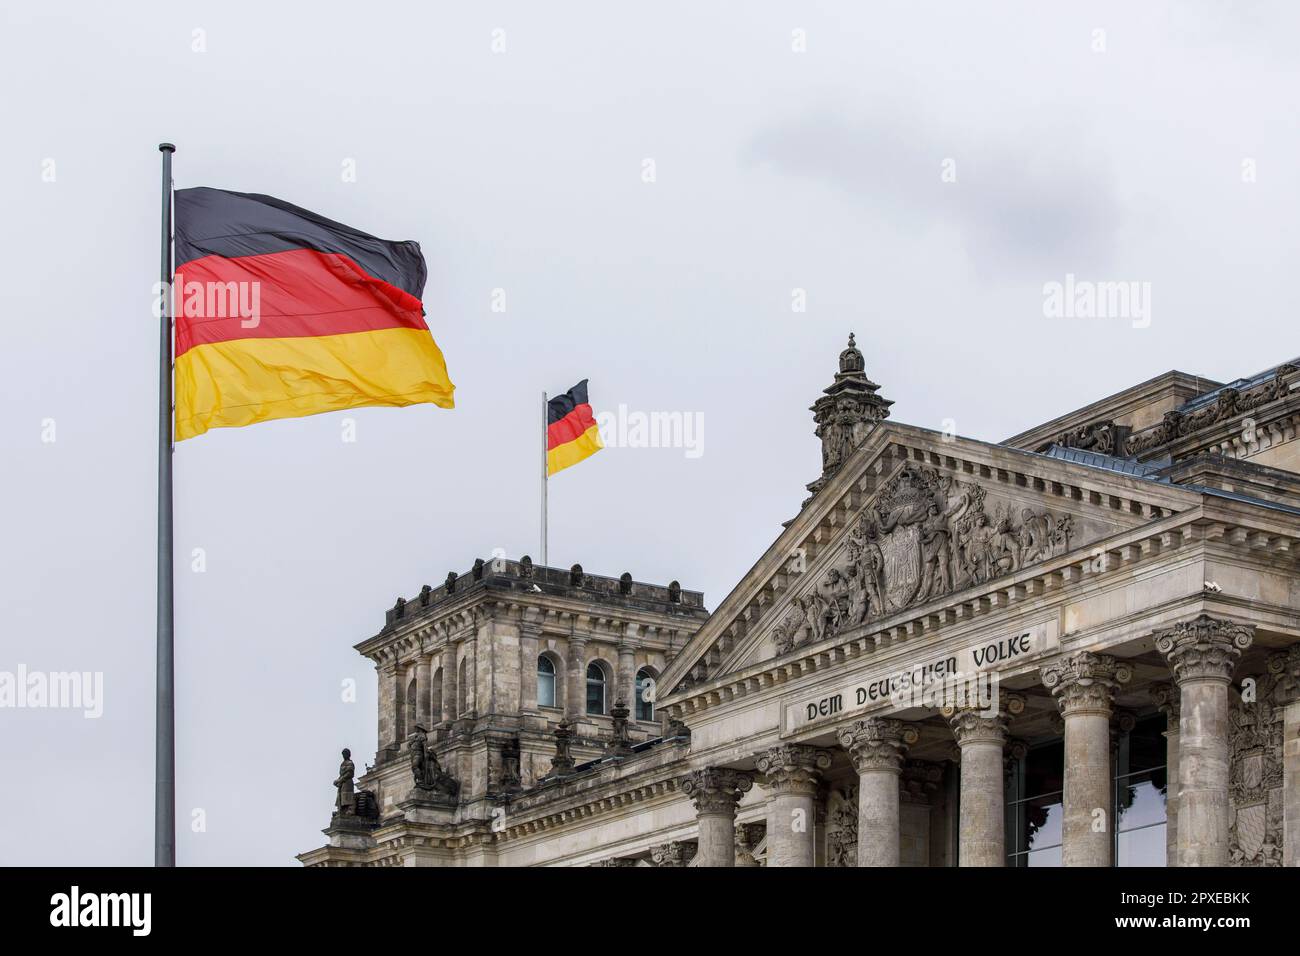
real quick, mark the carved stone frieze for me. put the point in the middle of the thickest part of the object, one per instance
(1100, 437)
(1085, 682)
(1204, 649)
(926, 535)
(1229, 403)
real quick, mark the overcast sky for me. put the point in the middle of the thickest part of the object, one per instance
(1161, 150)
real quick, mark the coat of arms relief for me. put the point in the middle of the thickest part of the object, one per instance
(1255, 774)
(927, 534)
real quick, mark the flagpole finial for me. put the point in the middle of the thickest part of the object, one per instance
(166, 148)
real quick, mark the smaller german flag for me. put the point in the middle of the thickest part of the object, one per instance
(571, 432)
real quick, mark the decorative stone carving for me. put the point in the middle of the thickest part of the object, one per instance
(427, 773)
(793, 767)
(620, 744)
(974, 726)
(344, 784)
(625, 583)
(616, 861)
(1099, 437)
(1085, 682)
(921, 780)
(846, 412)
(1255, 776)
(1204, 649)
(926, 535)
(510, 778)
(575, 576)
(674, 592)
(716, 789)
(672, 854)
(748, 837)
(1229, 403)
(1167, 700)
(842, 826)
(562, 762)
(877, 743)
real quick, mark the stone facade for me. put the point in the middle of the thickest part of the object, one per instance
(1080, 646)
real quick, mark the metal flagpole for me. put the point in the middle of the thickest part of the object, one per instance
(545, 476)
(164, 805)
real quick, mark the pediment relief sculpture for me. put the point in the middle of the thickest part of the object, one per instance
(927, 534)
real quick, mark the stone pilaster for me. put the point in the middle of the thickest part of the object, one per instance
(792, 773)
(876, 745)
(715, 791)
(982, 823)
(390, 700)
(1287, 666)
(449, 683)
(422, 693)
(1084, 686)
(530, 635)
(748, 837)
(1202, 655)
(626, 676)
(575, 692)
(1166, 697)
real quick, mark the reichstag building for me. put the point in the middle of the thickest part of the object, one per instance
(1076, 647)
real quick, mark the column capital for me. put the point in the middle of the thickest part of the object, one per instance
(1168, 701)
(877, 743)
(972, 725)
(1084, 682)
(716, 789)
(1285, 666)
(792, 768)
(921, 780)
(672, 854)
(1206, 649)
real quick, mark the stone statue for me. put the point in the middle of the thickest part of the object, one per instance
(426, 771)
(345, 803)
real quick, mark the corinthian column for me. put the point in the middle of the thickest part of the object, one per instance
(1203, 654)
(876, 746)
(715, 791)
(792, 772)
(982, 826)
(1084, 687)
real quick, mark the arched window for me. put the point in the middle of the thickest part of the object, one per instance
(645, 694)
(595, 688)
(435, 712)
(545, 682)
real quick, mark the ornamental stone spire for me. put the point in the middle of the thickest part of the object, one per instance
(846, 412)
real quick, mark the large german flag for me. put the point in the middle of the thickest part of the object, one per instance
(282, 313)
(571, 432)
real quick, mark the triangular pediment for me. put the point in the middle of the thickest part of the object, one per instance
(914, 519)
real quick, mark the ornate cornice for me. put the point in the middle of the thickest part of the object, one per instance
(1085, 683)
(1206, 649)
(974, 726)
(877, 743)
(792, 768)
(716, 789)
